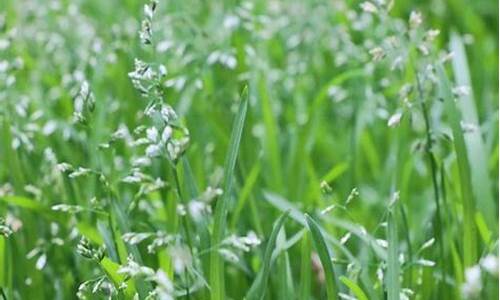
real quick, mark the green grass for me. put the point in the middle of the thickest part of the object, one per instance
(248, 149)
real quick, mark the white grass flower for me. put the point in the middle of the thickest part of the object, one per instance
(67, 208)
(468, 127)
(431, 34)
(368, 7)
(79, 172)
(231, 22)
(394, 198)
(382, 243)
(152, 134)
(251, 239)
(197, 209)
(352, 195)
(41, 262)
(461, 90)
(325, 187)
(490, 264)
(181, 258)
(473, 283)
(377, 54)
(153, 150)
(166, 134)
(425, 263)
(415, 19)
(345, 238)
(428, 244)
(164, 46)
(328, 209)
(394, 119)
(446, 57)
(423, 49)
(228, 255)
(135, 238)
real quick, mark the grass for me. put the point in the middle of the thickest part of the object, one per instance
(259, 149)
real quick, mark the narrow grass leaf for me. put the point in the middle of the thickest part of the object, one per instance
(216, 264)
(392, 279)
(324, 255)
(354, 287)
(469, 240)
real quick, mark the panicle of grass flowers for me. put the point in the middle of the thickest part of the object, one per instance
(352, 195)
(164, 288)
(84, 103)
(100, 285)
(67, 208)
(232, 246)
(86, 249)
(5, 229)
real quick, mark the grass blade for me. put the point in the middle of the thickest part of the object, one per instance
(393, 267)
(305, 268)
(354, 287)
(481, 183)
(469, 240)
(258, 288)
(324, 255)
(216, 264)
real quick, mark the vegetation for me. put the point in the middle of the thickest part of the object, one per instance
(188, 149)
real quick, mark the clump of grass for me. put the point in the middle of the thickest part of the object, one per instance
(158, 151)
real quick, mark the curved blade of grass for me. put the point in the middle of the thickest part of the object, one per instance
(258, 288)
(324, 256)
(392, 279)
(354, 287)
(469, 240)
(216, 264)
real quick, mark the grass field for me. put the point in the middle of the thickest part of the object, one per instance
(190, 149)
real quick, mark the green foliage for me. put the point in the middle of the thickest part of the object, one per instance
(154, 149)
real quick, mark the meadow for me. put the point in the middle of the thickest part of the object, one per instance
(189, 149)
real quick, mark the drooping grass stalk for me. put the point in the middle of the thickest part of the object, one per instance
(216, 280)
(438, 226)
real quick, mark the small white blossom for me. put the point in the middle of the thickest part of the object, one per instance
(166, 134)
(153, 150)
(473, 284)
(415, 19)
(490, 264)
(152, 134)
(425, 263)
(382, 243)
(377, 53)
(394, 120)
(461, 90)
(368, 7)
